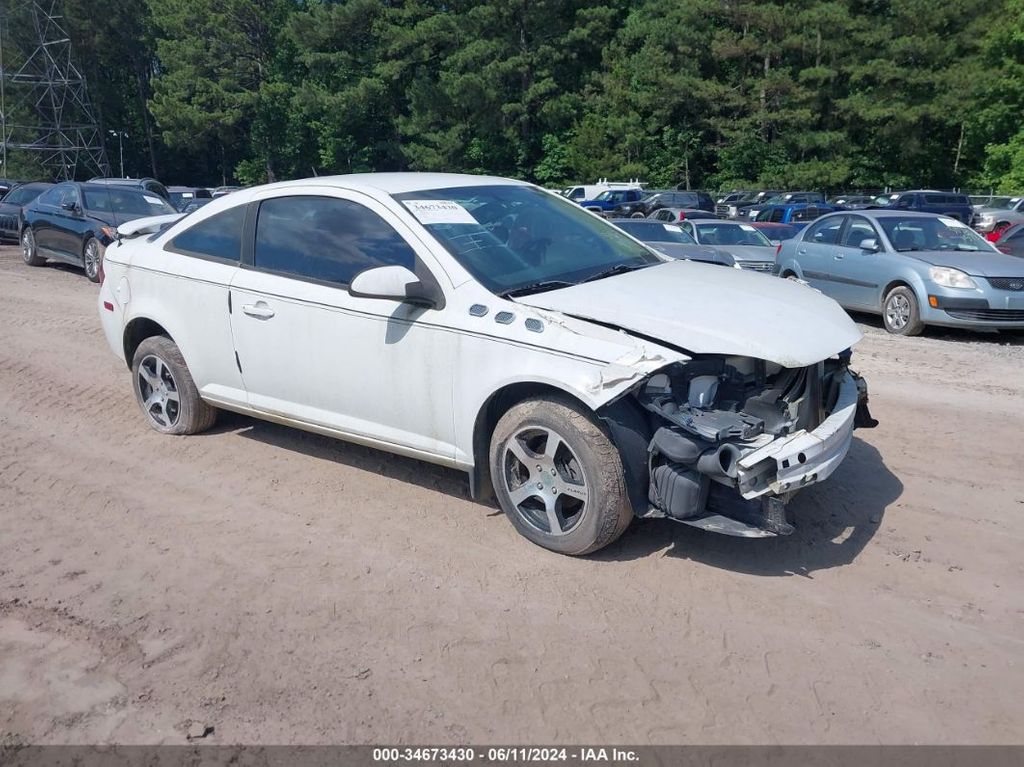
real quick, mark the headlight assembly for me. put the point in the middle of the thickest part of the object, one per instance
(950, 278)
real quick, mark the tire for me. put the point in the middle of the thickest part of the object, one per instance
(901, 314)
(29, 254)
(176, 408)
(531, 486)
(92, 258)
(637, 215)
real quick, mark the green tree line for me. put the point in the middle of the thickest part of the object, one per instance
(823, 94)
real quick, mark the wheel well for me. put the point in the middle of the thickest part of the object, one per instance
(896, 284)
(490, 413)
(788, 273)
(139, 330)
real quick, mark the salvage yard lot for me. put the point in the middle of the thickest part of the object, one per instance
(280, 587)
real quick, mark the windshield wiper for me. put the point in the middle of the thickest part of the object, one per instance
(617, 269)
(535, 287)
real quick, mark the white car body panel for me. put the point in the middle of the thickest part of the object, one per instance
(765, 317)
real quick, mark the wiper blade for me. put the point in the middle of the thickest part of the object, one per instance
(617, 269)
(535, 287)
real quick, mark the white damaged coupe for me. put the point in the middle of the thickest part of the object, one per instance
(489, 325)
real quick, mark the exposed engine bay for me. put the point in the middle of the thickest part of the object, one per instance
(732, 438)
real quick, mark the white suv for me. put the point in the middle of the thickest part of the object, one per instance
(489, 325)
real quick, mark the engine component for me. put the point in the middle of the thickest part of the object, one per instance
(703, 390)
(678, 491)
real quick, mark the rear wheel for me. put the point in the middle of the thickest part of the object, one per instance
(29, 254)
(558, 477)
(92, 256)
(900, 312)
(165, 390)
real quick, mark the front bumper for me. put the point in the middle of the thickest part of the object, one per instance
(985, 308)
(807, 457)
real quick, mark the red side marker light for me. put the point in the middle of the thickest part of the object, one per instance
(108, 306)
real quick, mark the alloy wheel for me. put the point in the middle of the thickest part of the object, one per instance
(897, 312)
(28, 245)
(545, 480)
(159, 391)
(91, 260)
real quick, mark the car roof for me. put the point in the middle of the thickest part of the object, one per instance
(97, 187)
(396, 183)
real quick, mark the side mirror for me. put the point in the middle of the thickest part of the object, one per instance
(396, 283)
(69, 206)
(870, 245)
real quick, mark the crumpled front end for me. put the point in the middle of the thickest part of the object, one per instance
(731, 439)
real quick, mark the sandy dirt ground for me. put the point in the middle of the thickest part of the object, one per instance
(262, 585)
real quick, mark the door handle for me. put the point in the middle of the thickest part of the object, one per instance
(838, 256)
(801, 252)
(259, 310)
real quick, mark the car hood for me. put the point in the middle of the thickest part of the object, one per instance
(706, 309)
(685, 250)
(750, 252)
(978, 263)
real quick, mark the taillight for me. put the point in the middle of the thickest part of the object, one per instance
(778, 249)
(682, 216)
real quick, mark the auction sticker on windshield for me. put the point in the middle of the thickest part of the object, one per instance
(152, 200)
(672, 228)
(439, 212)
(954, 223)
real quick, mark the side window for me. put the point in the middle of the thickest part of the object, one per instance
(51, 197)
(824, 232)
(687, 227)
(68, 195)
(325, 239)
(776, 215)
(665, 215)
(219, 236)
(1018, 235)
(858, 231)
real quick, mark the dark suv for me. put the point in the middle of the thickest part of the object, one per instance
(950, 204)
(666, 199)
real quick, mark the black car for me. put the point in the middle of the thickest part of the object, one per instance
(75, 222)
(738, 207)
(13, 205)
(952, 204)
(146, 184)
(6, 185)
(181, 196)
(665, 199)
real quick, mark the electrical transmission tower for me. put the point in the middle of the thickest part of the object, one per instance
(44, 103)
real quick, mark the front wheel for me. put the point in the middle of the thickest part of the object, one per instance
(900, 312)
(558, 477)
(29, 253)
(92, 257)
(165, 390)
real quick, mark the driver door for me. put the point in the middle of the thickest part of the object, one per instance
(376, 370)
(814, 252)
(855, 270)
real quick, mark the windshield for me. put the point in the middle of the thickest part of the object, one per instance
(510, 237)
(731, 234)
(23, 195)
(927, 233)
(128, 202)
(1004, 203)
(655, 231)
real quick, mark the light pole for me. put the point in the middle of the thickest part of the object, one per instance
(121, 136)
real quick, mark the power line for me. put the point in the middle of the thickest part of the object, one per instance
(65, 135)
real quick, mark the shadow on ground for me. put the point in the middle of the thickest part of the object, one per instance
(834, 521)
(961, 335)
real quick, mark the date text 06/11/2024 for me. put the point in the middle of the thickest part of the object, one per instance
(503, 754)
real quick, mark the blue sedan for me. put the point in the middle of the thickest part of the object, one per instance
(915, 269)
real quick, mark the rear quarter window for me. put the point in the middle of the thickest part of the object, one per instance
(219, 236)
